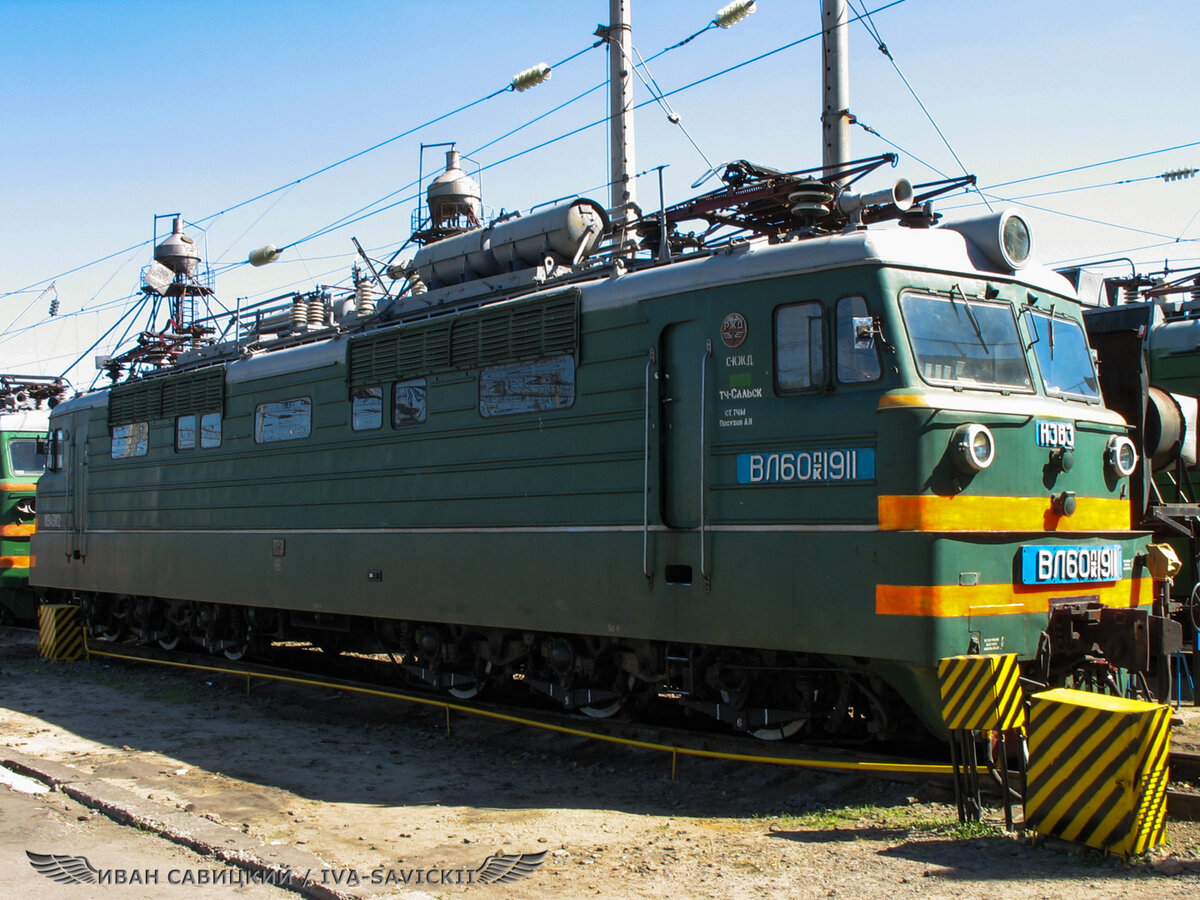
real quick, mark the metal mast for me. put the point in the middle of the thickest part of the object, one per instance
(835, 115)
(620, 90)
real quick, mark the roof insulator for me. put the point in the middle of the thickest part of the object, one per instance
(531, 77)
(734, 12)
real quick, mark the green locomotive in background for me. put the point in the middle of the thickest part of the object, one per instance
(773, 480)
(24, 419)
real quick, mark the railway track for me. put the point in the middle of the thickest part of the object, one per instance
(354, 673)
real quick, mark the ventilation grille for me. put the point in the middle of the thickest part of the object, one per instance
(166, 398)
(544, 327)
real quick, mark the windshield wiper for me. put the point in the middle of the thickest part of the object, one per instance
(971, 316)
(1051, 332)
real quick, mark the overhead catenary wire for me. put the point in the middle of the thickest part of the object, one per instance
(865, 18)
(365, 212)
(441, 118)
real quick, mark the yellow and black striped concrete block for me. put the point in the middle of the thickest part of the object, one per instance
(1098, 770)
(981, 693)
(60, 633)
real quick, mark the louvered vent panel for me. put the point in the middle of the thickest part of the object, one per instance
(424, 350)
(167, 397)
(134, 403)
(464, 343)
(197, 392)
(522, 331)
(373, 359)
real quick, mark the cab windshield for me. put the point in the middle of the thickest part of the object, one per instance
(966, 343)
(1062, 356)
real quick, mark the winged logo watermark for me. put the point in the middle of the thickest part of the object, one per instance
(504, 869)
(64, 869)
(500, 868)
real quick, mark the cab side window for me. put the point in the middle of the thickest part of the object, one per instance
(799, 347)
(857, 353)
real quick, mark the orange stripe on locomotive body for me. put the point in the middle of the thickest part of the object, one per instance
(973, 512)
(14, 562)
(14, 486)
(18, 531)
(952, 600)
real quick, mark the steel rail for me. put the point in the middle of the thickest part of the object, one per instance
(883, 766)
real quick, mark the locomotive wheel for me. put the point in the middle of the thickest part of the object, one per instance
(109, 631)
(171, 641)
(472, 689)
(114, 624)
(237, 634)
(779, 732)
(604, 712)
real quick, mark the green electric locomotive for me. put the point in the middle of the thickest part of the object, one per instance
(24, 419)
(772, 479)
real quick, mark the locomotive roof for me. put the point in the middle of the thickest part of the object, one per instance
(36, 420)
(934, 249)
(939, 250)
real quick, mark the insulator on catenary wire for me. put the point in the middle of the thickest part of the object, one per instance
(531, 77)
(734, 12)
(264, 255)
(1178, 174)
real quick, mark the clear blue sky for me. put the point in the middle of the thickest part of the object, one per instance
(111, 113)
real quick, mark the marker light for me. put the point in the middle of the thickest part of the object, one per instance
(972, 447)
(1121, 455)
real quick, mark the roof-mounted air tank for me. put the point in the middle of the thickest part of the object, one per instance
(454, 197)
(178, 252)
(562, 234)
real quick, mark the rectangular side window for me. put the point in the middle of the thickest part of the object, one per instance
(283, 420)
(210, 430)
(408, 402)
(538, 386)
(185, 433)
(799, 347)
(366, 408)
(25, 456)
(130, 440)
(857, 354)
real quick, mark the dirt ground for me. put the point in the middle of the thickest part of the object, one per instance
(376, 786)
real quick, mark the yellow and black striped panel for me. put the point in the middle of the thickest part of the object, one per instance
(1097, 769)
(981, 693)
(60, 634)
(1150, 825)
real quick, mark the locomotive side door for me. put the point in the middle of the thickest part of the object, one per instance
(76, 460)
(681, 409)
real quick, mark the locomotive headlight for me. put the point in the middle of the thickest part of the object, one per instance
(1121, 455)
(972, 447)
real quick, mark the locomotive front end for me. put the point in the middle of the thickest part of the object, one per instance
(1007, 494)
